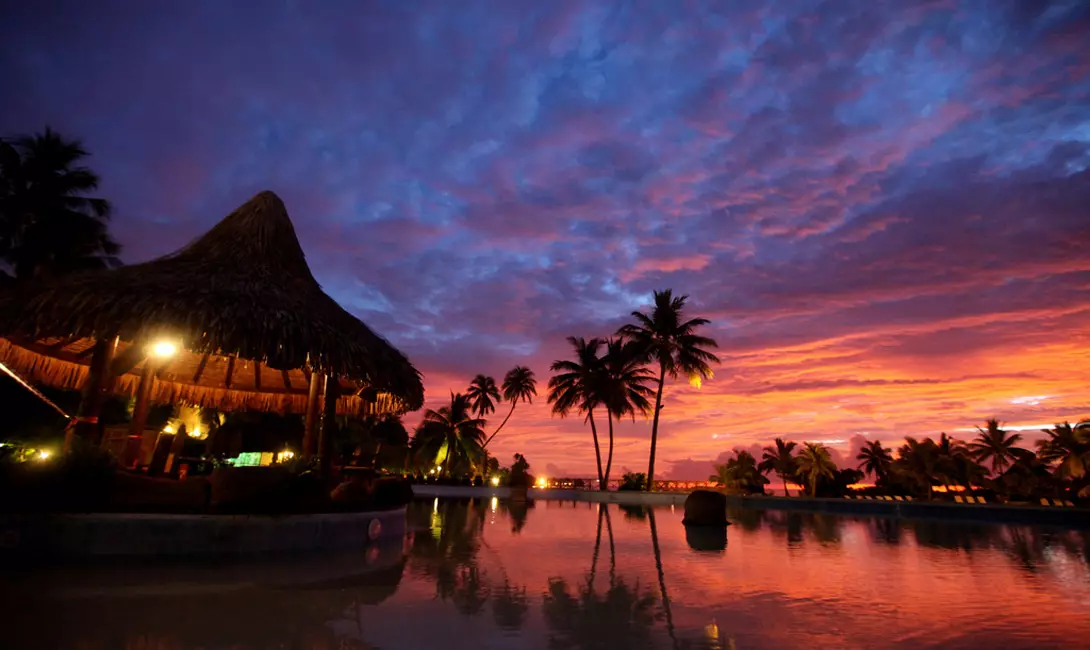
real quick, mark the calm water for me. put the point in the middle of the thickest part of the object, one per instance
(560, 575)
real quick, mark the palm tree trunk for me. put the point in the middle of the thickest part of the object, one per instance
(509, 413)
(597, 450)
(655, 427)
(662, 576)
(784, 479)
(609, 458)
(612, 549)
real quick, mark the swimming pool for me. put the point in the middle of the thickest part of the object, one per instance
(487, 574)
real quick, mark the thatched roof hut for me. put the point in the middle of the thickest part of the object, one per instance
(250, 321)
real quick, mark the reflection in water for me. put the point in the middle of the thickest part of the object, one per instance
(579, 576)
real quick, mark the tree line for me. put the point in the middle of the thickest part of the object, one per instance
(991, 461)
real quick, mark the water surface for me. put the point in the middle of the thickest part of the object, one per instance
(484, 574)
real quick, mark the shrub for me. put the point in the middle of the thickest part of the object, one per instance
(633, 481)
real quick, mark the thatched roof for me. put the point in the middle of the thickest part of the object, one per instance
(243, 304)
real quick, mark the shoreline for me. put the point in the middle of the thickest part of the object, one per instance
(991, 513)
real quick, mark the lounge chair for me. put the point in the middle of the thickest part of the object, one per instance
(1044, 501)
(898, 498)
(981, 500)
(958, 499)
(908, 498)
(1069, 504)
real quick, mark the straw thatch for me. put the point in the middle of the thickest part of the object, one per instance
(241, 300)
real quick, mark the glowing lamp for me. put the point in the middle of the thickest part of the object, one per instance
(542, 482)
(495, 481)
(287, 454)
(43, 454)
(168, 429)
(195, 433)
(164, 349)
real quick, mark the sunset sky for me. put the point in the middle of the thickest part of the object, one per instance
(883, 207)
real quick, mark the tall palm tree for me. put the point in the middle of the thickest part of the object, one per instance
(781, 460)
(483, 395)
(48, 224)
(575, 387)
(994, 444)
(875, 459)
(1068, 448)
(739, 473)
(519, 385)
(452, 429)
(667, 339)
(815, 463)
(622, 387)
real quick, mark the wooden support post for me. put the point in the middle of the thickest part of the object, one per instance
(94, 393)
(139, 414)
(310, 420)
(328, 428)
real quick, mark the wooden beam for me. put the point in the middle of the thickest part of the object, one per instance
(287, 380)
(306, 373)
(257, 375)
(200, 367)
(94, 393)
(310, 422)
(63, 343)
(139, 415)
(328, 428)
(230, 371)
(128, 359)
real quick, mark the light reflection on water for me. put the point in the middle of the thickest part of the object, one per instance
(485, 574)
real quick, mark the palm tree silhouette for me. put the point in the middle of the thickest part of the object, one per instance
(48, 226)
(453, 429)
(622, 387)
(519, 385)
(996, 445)
(875, 460)
(483, 395)
(575, 387)
(739, 473)
(779, 458)
(815, 463)
(1068, 448)
(666, 338)
(918, 462)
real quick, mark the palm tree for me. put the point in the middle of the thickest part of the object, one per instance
(918, 462)
(875, 459)
(622, 387)
(1068, 448)
(780, 459)
(739, 473)
(666, 338)
(483, 395)
(814, 464)
(452, 429)
(48, 226)
(575, 388)
(996, 445)
(519, 385)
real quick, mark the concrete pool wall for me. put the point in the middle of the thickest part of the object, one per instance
(148, 535)
(989, 513)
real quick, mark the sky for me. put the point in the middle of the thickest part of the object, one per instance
(883, 207)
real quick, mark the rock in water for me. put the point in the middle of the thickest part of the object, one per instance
(705, 508)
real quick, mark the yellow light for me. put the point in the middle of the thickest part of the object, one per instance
(438, 468)
(43, 454)
(542, 482)
(495, 481)
(164, 349)
(195, 433)
(287, 454)
(168, 429)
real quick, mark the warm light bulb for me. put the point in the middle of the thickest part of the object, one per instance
(495, 481)
(168, 429)
(43, 454)
(542, 482)
(164, 349)
(195, 433)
